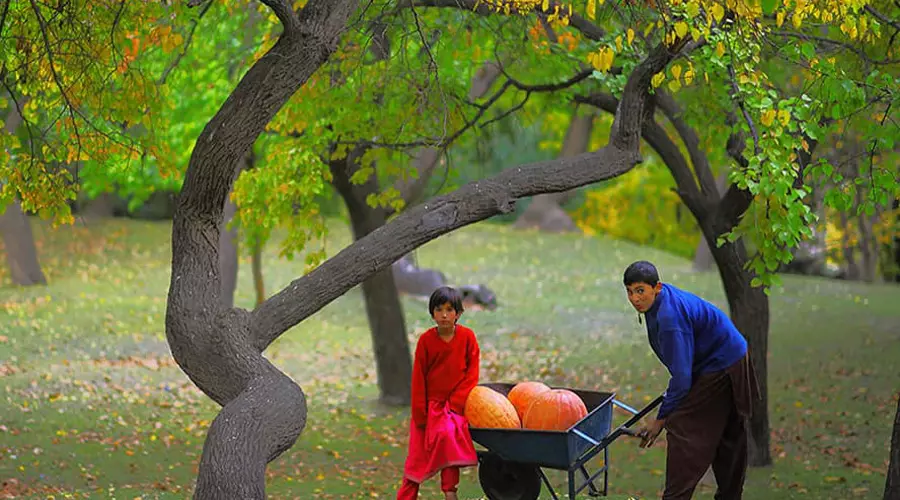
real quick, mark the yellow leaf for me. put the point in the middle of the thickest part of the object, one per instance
(797, 19)
(779, 19)
(784, 116)
(657, 79)
(720, 49)
(629, 35)
(545, 5)
(768, 118)
(676, 71)
(674, 85)
(591, 10)
(619, 43)
(689, 74)
(681, 29)
(718, 12)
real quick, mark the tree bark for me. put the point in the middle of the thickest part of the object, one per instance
(892, 481)
(228, 254)
(383, 309)
(219, 348)
(21, 252)
(545, 211)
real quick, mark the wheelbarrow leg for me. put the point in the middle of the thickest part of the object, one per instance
(592, 490)
(547, 483)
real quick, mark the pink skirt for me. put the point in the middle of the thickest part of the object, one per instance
(445, 442)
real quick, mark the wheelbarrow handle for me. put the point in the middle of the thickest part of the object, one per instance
(636, 417)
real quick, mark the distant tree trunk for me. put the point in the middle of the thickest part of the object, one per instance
(866, 243)
(852, 269)
(258, 282)
(15, 229)
(545, 211)
(228, 254)
(892, 482)
(21, 252)
(897, 242)
(101, 207)
(383, 309)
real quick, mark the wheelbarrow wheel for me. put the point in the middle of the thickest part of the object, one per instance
(502, 480)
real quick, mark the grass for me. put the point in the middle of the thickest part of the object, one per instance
(94, 406)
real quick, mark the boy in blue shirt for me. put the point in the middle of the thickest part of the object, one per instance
(707, 402)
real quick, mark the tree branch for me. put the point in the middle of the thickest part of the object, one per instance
(187, 43)
(285, 13)
(659, 140)
(700, 161)
(471, 203)
(483, 8)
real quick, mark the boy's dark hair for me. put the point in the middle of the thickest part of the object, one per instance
(641, 272)
(443, 295)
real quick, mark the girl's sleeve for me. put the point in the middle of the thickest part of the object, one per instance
(470, 380)
(417, 405)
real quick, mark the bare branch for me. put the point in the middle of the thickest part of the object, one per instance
(186, 45)
(856, 50)
(881, 17)
(736, 95)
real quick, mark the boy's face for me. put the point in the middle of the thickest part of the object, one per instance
(445, 315)
(641, 295)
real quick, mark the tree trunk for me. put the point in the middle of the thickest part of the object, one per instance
(220, 349)
(545, 211)
(749, 308)
(867, 244)
(385, 314)
(15, 229)
(892, 481)
(852, 269)
(258, 282)
(228, 254)
(21, 252)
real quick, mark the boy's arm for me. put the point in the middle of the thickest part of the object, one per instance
(677, 352)
(470, 380)
(418, 400)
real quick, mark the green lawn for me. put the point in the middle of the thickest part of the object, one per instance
(94, 406)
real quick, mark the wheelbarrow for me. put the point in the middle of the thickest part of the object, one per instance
(511, 466)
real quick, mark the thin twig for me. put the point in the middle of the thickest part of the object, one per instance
(187, 43)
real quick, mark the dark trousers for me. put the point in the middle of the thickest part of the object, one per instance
(709, 428)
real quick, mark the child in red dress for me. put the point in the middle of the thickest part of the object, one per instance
(445, 369)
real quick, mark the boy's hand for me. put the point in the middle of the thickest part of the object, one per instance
(650, 432)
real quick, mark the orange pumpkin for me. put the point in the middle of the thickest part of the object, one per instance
(524, 393)
(554, 410)
(487, 408)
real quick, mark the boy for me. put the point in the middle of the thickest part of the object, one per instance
(710, 391)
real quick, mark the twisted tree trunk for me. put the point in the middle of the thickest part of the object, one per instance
(220, 349)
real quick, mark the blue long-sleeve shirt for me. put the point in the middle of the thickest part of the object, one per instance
(691, 337)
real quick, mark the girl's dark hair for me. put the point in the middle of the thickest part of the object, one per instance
(641, 272)
(444, 295)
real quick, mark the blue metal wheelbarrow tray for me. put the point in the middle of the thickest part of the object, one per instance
(511, 467)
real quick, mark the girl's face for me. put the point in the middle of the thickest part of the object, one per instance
(445, 315)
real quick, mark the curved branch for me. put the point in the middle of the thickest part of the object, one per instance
(186, 45)
(659, 140)
(471, 203)
(702, 170)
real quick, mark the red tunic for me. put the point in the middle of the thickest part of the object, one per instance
(443, 375)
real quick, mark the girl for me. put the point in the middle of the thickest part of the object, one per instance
(445, 369)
